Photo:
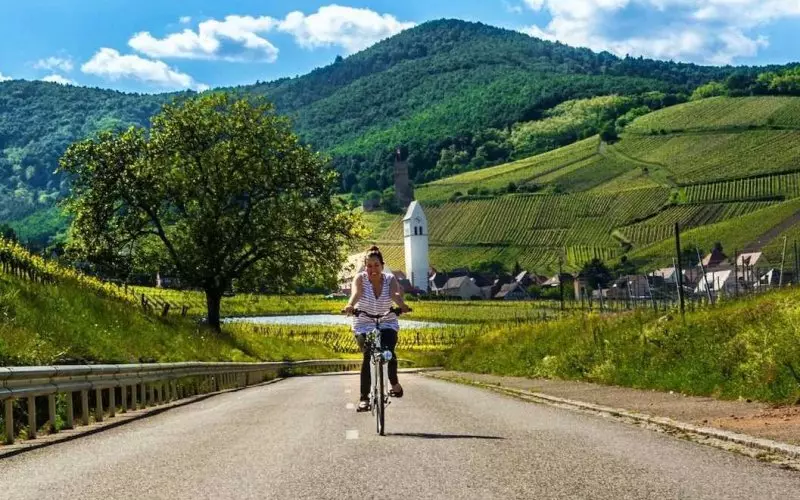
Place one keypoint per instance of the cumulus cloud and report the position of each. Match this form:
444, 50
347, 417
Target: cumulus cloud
55, 64
237, 38
243, 38
4, 78
109, 63
348, 27
186, 19
705, 31
56, 78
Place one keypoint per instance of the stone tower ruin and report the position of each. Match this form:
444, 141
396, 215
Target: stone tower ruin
402, 184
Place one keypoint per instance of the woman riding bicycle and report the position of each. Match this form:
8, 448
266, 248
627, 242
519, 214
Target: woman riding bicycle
373, 292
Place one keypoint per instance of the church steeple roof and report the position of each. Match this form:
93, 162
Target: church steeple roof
414, 210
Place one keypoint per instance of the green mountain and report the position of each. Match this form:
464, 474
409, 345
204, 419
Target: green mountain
726, 169
442, 87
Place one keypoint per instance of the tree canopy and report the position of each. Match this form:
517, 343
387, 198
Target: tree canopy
218, 189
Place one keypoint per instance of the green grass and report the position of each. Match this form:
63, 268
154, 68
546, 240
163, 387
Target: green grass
737, 350
48, 324
719, 113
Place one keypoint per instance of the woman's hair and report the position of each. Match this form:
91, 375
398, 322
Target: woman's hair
375, 252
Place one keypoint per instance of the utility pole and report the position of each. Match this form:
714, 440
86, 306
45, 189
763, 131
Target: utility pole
561, 280
783, 258
679, 270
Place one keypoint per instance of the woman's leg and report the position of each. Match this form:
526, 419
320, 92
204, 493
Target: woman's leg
366, 378
388, 342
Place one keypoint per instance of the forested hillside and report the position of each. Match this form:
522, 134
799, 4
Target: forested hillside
449, 91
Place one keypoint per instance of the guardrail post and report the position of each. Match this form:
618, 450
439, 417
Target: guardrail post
112, 401
31, 417
98, 394
152, 394
144, 396
134, 390
174, 391
9, 420
85, 407
70, 412
123, 394
51, 412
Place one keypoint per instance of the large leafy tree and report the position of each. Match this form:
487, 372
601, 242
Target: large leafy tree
219, 188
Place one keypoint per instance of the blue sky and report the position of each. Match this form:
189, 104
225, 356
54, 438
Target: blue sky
164, 45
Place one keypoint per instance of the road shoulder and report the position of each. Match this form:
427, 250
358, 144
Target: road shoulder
766, 432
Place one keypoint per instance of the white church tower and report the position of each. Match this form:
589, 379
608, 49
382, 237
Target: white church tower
415, 233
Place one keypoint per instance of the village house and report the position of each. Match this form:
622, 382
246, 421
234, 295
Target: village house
747, 265
630, 288
512, 291
772, 278
715, 260
462, 287
718, 282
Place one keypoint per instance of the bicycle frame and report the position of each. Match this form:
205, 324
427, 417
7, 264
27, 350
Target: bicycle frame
378, 394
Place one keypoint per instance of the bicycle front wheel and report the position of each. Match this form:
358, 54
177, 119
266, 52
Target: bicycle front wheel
380, 404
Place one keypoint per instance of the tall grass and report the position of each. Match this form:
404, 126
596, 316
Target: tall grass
66, 323
745, 349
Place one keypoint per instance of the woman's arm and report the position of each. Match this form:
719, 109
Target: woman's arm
355, 294
397, 295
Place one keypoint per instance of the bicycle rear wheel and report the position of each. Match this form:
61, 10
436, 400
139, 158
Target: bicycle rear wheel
380, 400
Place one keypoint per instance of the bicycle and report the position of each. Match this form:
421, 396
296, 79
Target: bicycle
378, 395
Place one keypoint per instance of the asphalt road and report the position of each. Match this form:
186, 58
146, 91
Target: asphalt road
300, 438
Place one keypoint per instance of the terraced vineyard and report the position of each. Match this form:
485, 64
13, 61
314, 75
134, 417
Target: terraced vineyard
736, 233
661, 226
720, 167
529, 169
718, 156
535, 229
779, 185
718, 113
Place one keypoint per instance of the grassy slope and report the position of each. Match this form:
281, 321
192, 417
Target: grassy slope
737, 233
709, 141
44, 324
741, 349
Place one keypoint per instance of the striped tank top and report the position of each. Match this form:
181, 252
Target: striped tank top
371, 305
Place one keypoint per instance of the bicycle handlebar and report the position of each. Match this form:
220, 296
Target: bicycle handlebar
396, 310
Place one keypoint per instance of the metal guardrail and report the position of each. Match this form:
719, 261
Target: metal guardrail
137, 385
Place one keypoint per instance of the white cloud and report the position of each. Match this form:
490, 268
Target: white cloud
186, 19
348, 27
56, 78
109, 63
55, 64
234, 39
513, 8
705, 31
4, 78
242, 38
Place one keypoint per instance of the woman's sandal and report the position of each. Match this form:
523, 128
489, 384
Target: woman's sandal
396, 394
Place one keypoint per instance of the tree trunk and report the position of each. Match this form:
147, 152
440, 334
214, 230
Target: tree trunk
213, 300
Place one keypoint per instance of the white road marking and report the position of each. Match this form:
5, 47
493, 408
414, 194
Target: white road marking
353, 434
351, 406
